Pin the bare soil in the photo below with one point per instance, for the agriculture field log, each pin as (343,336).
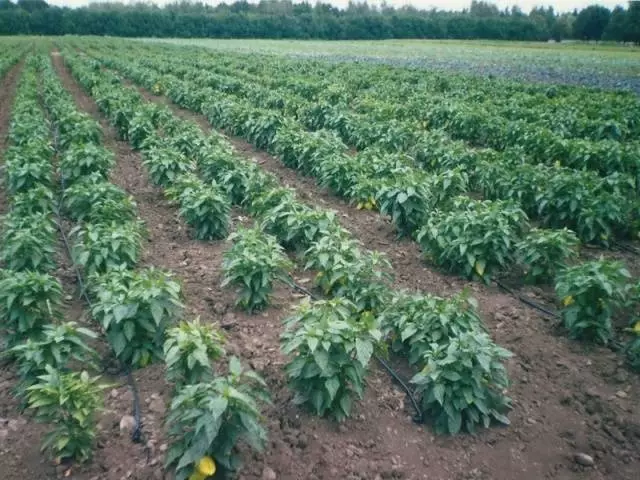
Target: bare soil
(568,398)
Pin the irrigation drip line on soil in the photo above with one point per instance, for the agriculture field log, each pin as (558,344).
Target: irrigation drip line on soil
(418,417)
(526,301)
(627,248)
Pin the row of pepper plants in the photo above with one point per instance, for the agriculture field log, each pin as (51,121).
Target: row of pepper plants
(212,408)
(475,238)
(543,112)
(36,337)
(411,113)
(571,112)
(330,342)
(597,209)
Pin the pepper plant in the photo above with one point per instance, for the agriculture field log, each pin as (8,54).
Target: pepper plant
(462,383)
(36,200)
(474,238)
(543,253)
(329,345)
(28,243)
(81,160)
(590,292)
(205,207)
(99,247)
(165,164)
(70,403)
(189,350)
(253,262)
(210,419)
(57,345)
(28,302)
(135,309)
(84,195)
(418,322)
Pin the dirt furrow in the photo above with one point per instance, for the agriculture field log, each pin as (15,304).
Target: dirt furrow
(562,405)
(7,94)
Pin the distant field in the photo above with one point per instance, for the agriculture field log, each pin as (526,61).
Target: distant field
(605,65)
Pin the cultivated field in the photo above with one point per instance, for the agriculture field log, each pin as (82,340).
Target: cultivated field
(597,65)
(301,269)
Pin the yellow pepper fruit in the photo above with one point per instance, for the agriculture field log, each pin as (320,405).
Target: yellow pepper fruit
(205,468)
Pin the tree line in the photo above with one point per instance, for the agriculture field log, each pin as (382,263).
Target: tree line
(284,19)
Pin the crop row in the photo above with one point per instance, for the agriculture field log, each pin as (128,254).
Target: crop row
(475,238)
(400,125)
(140,311)
(569,112)
(409,196)
(36,338)
(329,342)
(597,209)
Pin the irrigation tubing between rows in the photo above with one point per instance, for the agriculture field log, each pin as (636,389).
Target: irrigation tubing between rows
(526,301)
(418,417)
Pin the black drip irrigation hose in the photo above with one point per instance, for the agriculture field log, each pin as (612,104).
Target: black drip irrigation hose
(627,248)
(526,301)
(418,417)
(137,434)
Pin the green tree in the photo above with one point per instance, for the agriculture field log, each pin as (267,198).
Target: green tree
(617,27)
(591,22)
(632,30)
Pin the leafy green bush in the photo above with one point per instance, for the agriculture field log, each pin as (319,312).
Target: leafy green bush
(590,292)
(462,383)
(135,308)
(81,160)
(330,346)
(344,270)
(141,126)
(24,174)
(35,200)
(543,253)
(269,199)
(109,211)
(407,203)
(165,165)
(189,350)
(77,128)
(56,347)
(254,261)
(333,256)
(28,302)
(83,196)
(210,419)
(99,247)
(474,238)
(28,243)
(297,226)
(205,207)
(185,136)
(69,402)
(417,322)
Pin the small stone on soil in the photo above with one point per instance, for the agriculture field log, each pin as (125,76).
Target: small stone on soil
(156,405)
(268,474)
(127,423)
(583,459)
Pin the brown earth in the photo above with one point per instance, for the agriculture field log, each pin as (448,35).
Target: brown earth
(568,397)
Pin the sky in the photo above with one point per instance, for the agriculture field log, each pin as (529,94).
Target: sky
(525,5)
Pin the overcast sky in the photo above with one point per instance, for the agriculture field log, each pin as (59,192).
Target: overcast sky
(525,5)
